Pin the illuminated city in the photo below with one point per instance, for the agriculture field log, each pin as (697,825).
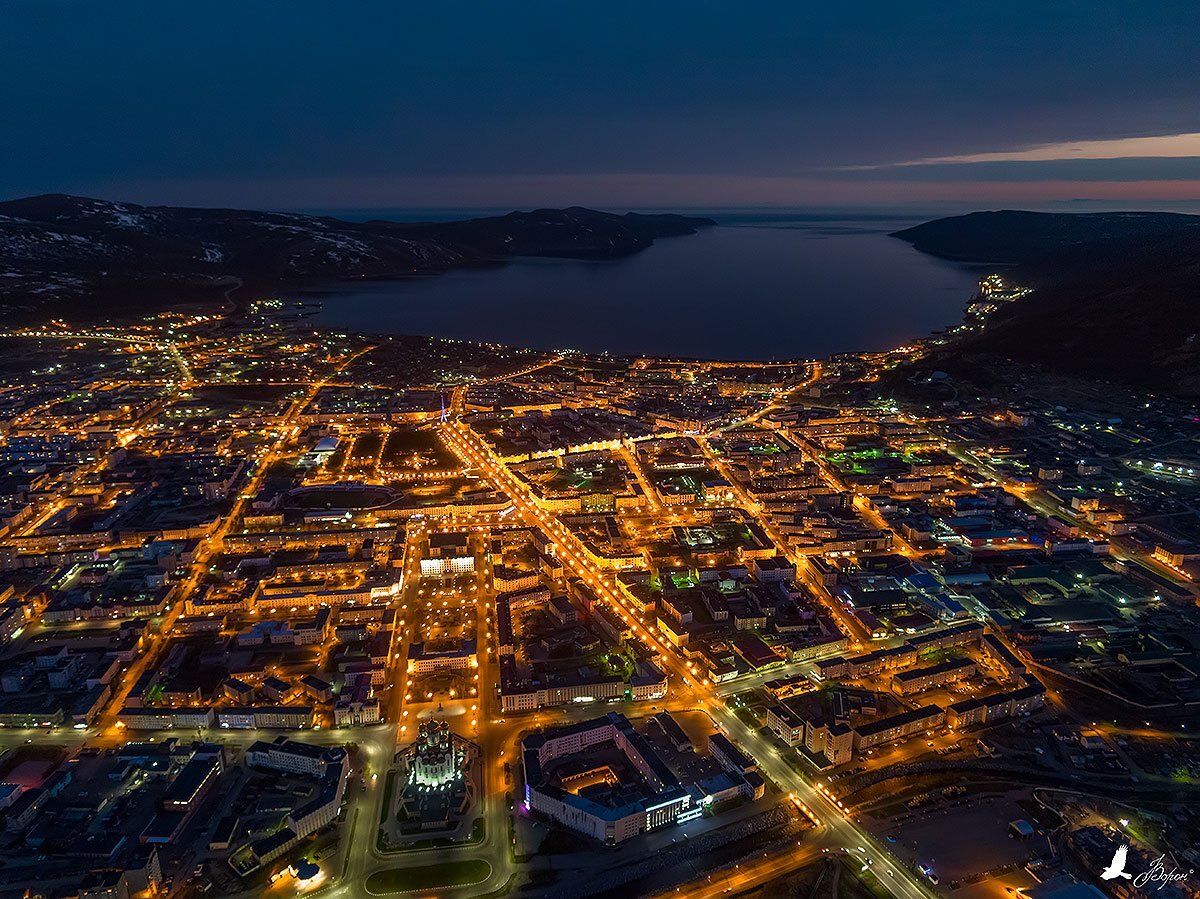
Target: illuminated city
(787,526)
(555,598)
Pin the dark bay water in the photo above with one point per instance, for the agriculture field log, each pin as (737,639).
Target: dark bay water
(757,287)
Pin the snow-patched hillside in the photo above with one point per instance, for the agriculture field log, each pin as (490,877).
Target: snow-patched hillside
(74,248)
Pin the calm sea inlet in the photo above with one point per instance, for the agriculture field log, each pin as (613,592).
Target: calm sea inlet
(762,286)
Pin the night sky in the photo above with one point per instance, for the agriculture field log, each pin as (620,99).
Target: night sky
(353,104)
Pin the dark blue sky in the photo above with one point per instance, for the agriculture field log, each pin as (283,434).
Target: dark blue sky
(302,104)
